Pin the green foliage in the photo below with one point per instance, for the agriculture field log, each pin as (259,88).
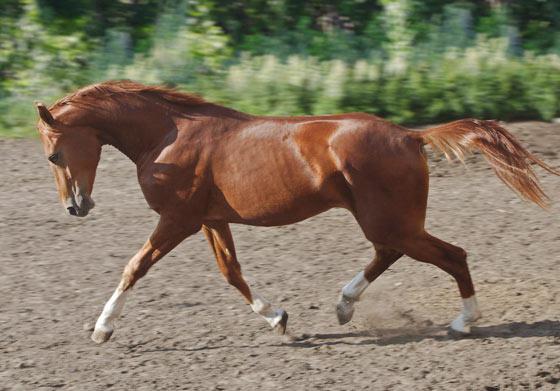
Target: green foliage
(483,81)
(32,59)
(411,61)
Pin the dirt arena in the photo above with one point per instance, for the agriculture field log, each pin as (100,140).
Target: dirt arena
(184,328)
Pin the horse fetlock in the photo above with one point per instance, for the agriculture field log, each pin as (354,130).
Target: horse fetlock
(474,316)
(274,316)
(469,315)
(462,324)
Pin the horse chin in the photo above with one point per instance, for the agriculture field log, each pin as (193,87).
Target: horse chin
(83,212)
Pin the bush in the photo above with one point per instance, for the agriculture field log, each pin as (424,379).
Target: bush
(482,81)
(397,65)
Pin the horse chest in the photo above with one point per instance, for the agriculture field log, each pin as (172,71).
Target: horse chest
(171,186)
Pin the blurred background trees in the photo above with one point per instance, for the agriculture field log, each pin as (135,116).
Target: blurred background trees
(413,61)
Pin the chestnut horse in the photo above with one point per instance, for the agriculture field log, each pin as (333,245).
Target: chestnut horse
(203,166)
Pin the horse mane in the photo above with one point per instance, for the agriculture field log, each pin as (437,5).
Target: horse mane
(128,87)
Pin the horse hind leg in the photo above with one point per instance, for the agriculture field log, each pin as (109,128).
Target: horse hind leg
(219,237)
(384,258)
(399,225)
(453,260)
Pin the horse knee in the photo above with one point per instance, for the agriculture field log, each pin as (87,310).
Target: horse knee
(132,273)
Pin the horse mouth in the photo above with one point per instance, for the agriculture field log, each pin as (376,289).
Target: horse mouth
(73,211)
(80,210)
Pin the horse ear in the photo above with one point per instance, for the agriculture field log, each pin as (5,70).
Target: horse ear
(44,113)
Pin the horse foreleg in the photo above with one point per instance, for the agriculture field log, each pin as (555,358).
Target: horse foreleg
(220,240)
(352,291)
(166,236)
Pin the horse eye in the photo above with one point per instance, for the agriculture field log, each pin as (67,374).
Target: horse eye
(54,158)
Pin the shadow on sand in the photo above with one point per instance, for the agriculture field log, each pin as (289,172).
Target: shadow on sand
(386,337)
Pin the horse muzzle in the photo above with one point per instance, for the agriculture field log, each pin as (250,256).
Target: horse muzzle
(79,205)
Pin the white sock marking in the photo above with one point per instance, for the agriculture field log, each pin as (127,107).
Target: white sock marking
(350,294)
(262,307)
(111,311)
(354,288)
(470,308)
(469,314)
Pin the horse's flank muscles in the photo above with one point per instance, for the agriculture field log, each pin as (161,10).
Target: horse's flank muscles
(271,173)
(204,165)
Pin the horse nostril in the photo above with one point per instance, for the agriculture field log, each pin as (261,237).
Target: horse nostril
(72,211)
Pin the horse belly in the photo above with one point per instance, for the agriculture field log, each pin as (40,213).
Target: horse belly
(277,188)
(267,214)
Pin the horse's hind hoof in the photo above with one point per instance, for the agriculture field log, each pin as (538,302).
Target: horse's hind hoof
(344,312)
(100,336)
(461,326)
(280,328)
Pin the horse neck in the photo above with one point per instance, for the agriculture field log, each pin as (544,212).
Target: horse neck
(138,129)
(137,133)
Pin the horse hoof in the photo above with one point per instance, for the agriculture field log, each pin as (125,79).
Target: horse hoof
(459,331)
(280,328)
(100,336)
(459,325)
(344,312)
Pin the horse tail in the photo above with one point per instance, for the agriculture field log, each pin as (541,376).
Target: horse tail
(510,161)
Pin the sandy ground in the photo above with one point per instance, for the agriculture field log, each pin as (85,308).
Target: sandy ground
(185,328)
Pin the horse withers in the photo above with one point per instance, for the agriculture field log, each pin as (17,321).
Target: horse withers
(202,166)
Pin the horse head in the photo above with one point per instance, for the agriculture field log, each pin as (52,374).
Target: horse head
(73,153)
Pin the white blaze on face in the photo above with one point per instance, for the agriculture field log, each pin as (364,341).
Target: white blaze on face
(262,307)
(111,311)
